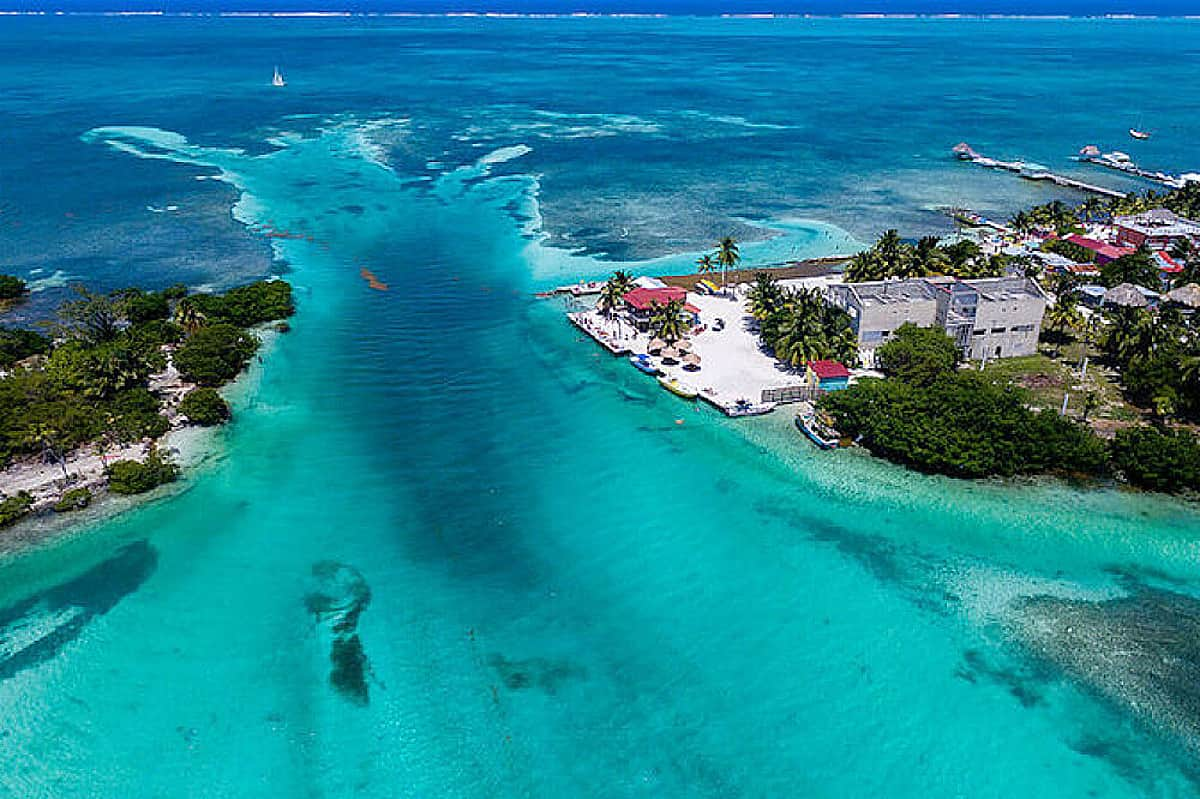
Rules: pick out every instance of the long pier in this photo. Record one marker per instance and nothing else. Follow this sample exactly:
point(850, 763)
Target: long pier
point(1032, 172)
point(1120, 162)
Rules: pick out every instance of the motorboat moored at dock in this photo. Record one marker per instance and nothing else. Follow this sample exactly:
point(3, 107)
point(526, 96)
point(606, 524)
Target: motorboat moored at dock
point(811, 423)
point(678, 389)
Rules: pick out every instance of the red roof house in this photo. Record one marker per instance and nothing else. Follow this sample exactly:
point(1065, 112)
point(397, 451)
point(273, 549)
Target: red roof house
point(641, 300)
point(1104, 252)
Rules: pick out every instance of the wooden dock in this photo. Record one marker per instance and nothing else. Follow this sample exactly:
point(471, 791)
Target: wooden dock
point(601, 337)
point(1033, 172)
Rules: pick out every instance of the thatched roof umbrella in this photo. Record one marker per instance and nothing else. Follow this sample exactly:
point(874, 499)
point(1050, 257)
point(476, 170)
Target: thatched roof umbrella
point(656, 345)
point(683, 345)
point(1188, 295)
point(670, 354)
point(1125, 295)
point(691, 361)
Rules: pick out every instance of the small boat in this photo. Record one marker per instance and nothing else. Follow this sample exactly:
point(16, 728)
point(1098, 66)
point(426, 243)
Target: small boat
point(677, 388)
point(817, 430)
point(1139, 134)
point(277, 78)
point(642, 364)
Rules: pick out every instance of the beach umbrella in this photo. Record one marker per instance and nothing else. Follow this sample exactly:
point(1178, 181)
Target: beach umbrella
point(1188, 295)
point(670, 354)
point(691, 361)
point(683, 345)
point(1125, 295)
point(655, 345)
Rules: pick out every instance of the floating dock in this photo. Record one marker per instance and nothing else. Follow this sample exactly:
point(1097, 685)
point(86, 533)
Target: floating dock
point(1030, 171)
point(1121, 162)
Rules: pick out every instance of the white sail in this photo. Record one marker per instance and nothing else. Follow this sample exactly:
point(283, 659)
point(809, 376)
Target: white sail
point(277, 78)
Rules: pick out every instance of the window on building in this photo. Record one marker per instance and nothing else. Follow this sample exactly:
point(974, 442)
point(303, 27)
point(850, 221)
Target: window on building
point(873, 336)
point(999, 330)
point(1022, 328)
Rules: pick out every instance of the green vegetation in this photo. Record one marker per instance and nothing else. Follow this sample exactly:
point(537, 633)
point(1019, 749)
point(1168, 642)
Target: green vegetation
point(138, 477)
point(891, 256)
point(17, 344)
point(1069, 249)
point(75, 499)
point(957, 423)
point(12, 288)
point(614, 291)
point(214, 354)
point(800, 326)
point(14, 507)
point(245, 306)
point(728, 256)
point(1160, 460)
point(93, 384)
point(917, 355)
point(1137, 268)
point(669, 322)
point(204, 406)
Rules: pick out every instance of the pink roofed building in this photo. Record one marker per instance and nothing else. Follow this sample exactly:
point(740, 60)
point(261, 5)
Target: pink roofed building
point(1103, 251)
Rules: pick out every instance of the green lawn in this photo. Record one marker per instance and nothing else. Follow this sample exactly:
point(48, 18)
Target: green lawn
point(1048, 379)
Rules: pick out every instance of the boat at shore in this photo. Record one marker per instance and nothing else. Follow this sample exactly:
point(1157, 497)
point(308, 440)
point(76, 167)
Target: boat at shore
point(817, 429)
point(677, 388)
point(642, 363)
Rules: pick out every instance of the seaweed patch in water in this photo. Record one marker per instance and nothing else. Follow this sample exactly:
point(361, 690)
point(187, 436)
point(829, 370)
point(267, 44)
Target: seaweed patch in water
point(543, 673)
point(338, 597)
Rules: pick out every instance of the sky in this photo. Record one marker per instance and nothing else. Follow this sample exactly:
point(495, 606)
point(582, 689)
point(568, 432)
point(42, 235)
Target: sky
point(686, 7)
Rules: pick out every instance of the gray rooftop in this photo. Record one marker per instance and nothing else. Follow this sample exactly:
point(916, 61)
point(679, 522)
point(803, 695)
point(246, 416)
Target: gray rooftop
point(1159, 222)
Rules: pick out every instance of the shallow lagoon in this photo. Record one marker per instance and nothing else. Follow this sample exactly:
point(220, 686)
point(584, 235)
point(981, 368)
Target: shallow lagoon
point(570, 592)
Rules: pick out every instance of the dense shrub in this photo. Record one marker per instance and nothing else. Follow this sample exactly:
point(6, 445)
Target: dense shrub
point(962, 425)
point(204, 406)
point(17, 344)
point(264, 301)
point(134, 415)
point(1161, 460)
point(137, 477)
point(1069, 249)
point(145, 306)
point(917, 355)
point(14, 507)
point(11, 287)
point(75, 499)
point(214, 354)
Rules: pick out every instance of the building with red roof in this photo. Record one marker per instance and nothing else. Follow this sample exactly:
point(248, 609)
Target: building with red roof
point(641, 300)
point(827, 375)
point(1103, 251)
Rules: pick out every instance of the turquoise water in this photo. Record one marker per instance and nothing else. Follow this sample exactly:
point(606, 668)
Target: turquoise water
point(579, 585)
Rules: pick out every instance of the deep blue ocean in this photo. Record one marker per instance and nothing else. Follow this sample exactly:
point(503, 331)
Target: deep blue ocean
point(578, 585)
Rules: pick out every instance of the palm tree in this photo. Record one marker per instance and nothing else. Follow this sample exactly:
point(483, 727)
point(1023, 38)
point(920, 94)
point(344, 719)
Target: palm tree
point(1060, 317)
point(896, 257)
point(705, 264)
point(1021, 222)
point(863, 267)
point(765, 296)
point(614, 291)
point(930, 258)
point(668, 321)
point(727, 256)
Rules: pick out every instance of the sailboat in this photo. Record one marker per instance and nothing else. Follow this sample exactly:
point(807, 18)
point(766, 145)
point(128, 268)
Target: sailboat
point(277, 78)
point(1139, 134)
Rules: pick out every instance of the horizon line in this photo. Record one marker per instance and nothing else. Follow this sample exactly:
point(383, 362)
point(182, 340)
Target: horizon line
point(947, 15)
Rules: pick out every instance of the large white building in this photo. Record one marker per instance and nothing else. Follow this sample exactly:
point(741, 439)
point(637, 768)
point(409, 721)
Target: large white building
point(988, 318)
